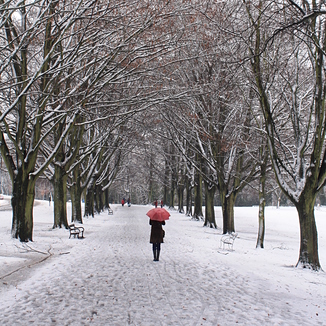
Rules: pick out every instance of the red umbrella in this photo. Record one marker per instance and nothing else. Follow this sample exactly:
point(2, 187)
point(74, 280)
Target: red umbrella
point(158, 214)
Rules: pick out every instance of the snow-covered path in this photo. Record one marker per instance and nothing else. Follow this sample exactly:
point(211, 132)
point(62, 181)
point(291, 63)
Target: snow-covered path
point(109, 278)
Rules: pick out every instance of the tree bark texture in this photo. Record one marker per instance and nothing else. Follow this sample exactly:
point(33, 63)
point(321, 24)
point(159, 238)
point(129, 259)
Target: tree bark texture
point(60, 197)
point(22, 205)
point(180, 198)
point(228, 203)
point(89, 202)
point(209, 206)
point(98, 199)
point(262, 201)
point(308, 256)
point(198, 197)
point(188, 198)
point(76, 197)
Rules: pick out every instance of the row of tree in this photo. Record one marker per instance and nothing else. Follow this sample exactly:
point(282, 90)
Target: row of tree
point(72, 76)
point(257, 103)
point(231, 90)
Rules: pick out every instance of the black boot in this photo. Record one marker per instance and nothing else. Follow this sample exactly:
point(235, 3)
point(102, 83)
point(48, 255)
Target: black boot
point(157, 255)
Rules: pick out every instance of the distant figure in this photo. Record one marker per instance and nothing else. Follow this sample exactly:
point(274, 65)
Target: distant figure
point(157, 234)
point(155, 203)
point(123, 202)
point(49, 199)
point(128, 202)
point(161, 203)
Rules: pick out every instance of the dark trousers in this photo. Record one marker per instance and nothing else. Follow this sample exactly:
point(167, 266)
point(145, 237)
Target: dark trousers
point(156, 246)
point(156, 251)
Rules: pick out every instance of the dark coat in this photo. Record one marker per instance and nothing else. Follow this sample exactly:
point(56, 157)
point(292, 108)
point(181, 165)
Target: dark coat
point(156, 231)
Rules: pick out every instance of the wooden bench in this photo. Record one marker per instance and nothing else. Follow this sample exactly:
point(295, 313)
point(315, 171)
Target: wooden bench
point(76, 231)
point(227, 240)
point(110, 211)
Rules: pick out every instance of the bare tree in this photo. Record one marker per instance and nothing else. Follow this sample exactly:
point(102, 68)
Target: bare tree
point(31, 32)
point(292, 101)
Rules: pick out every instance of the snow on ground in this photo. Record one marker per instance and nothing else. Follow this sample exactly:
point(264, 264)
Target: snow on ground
point(109, 278)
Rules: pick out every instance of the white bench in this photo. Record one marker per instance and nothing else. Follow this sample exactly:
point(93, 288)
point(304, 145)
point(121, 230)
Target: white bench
point(110, 211)
point(227, 240)
point(76, 231)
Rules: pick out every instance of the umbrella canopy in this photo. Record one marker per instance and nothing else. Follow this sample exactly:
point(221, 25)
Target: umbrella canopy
point(158, 214)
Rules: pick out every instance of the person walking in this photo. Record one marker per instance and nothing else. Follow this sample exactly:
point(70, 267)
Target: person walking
point(156, 238)
point(161, 203)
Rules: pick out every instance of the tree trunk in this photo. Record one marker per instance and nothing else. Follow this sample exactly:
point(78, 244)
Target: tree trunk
point(174, 175)
point(22, 206)
point(173, 187)
point(180, 198)
point(228, 203)
point(89, 202)
point(262, 202)
point(98, 199)
point(106, 198)
point(209, 206)
point(198, 197)
point(150, 182)
point(60, 197)
point(188, 198)
point(101, 192)
point(308, 257)
point(76, 195)
point(165, 195)
point(171, 205)
point(261, 221)
point(166, 182)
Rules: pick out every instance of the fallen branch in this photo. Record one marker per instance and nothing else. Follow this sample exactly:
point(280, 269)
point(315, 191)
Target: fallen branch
point(29, 265)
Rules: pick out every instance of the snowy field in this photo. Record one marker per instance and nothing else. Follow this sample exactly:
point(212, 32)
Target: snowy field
point(109, 278)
